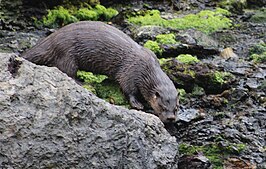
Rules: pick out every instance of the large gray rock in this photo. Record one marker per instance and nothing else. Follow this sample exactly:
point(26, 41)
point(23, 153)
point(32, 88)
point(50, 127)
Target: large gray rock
point(48, 121)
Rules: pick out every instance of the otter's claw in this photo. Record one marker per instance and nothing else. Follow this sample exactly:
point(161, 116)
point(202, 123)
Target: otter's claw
point(135, 104)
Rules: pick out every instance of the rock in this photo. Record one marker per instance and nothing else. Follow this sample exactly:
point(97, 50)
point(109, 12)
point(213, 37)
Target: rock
point(256, 4)
point(195, 162)
point(18, 41)
point(228, 53)
point(237, 163)
point(192, 42)
point(205, 75)
point(188, 115)
point(144, 33)
point(234, 6)
point(192, 4)
point(201, 39)
point(48, 121)
point(174, 50)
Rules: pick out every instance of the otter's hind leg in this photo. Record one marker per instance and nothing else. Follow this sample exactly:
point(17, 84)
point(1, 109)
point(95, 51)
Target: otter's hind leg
point(69, 66)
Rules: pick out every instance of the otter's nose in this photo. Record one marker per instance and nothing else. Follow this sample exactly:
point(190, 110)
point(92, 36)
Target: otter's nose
point(171, 118)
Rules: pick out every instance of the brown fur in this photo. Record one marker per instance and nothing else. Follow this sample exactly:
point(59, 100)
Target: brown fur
point(103, 49)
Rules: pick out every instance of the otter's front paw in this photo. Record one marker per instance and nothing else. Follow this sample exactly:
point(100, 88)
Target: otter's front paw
point(135, 104)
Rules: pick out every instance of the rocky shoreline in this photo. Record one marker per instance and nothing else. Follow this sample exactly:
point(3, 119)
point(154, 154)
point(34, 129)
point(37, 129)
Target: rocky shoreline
point(225, 128)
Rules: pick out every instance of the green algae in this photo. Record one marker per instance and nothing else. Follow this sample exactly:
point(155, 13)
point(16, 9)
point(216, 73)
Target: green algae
point(58, 17)
point(89, 77)
point(153, 46)
point(87, 14)
point(221, 77)
point(215, 152)
point(258, 53)
point(162, 61)
point(187, 59)
point(206, 20)
point(103, 88)
point(61, 16)
point(166, 39)
point(259, 16)
point(161, 39)
point(181, 95)
point(110, 92)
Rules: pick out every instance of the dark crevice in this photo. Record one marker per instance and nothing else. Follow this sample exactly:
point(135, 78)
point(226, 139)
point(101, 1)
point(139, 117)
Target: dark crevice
point(14, 65)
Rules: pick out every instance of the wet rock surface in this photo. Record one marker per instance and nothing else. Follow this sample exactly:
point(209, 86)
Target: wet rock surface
point(48, 121)
point(232, 119)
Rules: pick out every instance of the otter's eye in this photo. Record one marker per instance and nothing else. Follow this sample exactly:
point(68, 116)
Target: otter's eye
point(157, 95)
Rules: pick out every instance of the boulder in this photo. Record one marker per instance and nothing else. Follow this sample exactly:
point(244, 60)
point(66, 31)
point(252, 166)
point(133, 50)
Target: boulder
point(49, 121)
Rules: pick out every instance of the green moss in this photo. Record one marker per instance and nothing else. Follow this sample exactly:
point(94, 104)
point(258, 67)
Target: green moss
point(153, 46)
point(164, 60)
point(161, 39)
point(87, 14)
point(197, 91)
point(151, 17)
point(259, 58)
point(58, 17)
point(187, 59)
point(90, 88)
point(110, 13)
point(61, 16)
point(258, 49)
point(166, 39)
point(189, 72)
point(100, 9)
point(259, 16)
point(181, 95)
point(103, 88)
point(111, 93)
point(206, 21)
point(221, 77)
point(214, 152)
point(89, 77)
point(258, 53)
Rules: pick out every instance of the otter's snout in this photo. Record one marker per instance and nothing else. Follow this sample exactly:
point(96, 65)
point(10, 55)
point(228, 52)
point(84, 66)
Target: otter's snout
point(168, 117)
point(171, 118)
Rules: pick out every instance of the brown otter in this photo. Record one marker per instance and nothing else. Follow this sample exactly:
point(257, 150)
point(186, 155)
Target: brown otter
point(103, 49)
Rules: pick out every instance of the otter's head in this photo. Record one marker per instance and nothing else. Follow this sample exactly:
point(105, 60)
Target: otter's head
point(165, 104)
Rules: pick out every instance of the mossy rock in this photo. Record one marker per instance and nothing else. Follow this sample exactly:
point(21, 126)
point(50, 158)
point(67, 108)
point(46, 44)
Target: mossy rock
point(143, 33)
point(258, 53)
point(259, 16)
point(234, 6)
point(190, 74)
point(160, 40)
point(215, 152)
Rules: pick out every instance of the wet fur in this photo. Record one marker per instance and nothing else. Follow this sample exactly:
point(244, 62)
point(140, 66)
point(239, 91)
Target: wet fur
point(103, 49)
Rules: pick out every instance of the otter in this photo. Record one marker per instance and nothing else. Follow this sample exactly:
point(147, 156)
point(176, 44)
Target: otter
point(103, 49)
